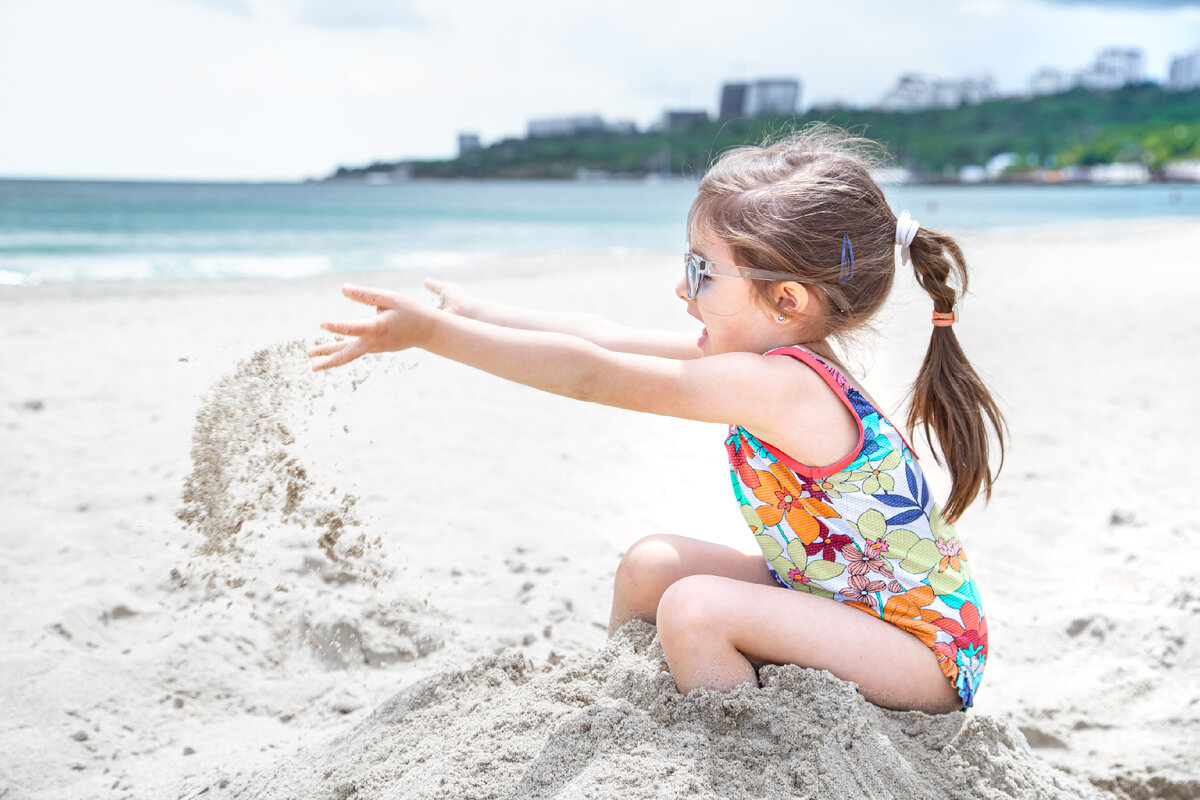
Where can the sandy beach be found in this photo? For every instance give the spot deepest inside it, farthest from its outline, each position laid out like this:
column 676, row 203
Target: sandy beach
column 225, row 576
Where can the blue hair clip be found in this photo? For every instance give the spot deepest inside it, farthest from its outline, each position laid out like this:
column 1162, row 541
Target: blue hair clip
column 847, row 260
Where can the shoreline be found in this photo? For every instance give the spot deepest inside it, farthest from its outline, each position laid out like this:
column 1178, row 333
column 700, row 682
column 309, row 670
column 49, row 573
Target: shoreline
column 519, row 263
column 588, row 177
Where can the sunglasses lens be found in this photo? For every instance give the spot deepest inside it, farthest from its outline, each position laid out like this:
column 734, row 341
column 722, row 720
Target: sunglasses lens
column 693, row 276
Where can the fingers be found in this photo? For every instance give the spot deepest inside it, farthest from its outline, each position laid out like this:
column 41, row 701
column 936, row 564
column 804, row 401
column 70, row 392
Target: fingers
column 344, row 352
column 325, row 349
column 438, row 289
column 347, row 353
column 348, row 328
column 371, row 297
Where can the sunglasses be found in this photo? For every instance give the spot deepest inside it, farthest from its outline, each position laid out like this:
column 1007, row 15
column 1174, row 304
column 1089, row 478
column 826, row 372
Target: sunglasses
column 697, row 269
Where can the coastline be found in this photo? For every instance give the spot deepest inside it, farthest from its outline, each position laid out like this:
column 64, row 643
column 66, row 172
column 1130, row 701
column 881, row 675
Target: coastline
column 118, row 669
column 168, row 233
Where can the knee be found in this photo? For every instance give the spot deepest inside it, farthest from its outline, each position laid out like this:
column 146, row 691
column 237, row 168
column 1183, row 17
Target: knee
column 689, row 612
column 649, row 566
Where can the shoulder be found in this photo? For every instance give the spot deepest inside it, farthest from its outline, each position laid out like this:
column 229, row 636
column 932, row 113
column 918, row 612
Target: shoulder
column 769, row 395
column 820, row 367
column 832, row 372
column 810, row 416
column 791, row 374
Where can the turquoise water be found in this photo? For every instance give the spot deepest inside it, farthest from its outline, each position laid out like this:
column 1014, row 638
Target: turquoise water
column 99, row 231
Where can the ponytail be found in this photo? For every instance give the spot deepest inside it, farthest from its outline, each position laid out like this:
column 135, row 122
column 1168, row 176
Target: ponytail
column 948, row 395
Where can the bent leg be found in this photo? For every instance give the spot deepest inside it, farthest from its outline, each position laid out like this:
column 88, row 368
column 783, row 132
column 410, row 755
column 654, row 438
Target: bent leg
column 654, row 563
column 713, row 629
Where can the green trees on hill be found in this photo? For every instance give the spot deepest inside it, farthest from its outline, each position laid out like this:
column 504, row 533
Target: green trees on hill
column 1137, row 123
column 1142, row 123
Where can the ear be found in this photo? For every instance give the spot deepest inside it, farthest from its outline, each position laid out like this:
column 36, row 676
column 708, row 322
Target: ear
column 791, row 298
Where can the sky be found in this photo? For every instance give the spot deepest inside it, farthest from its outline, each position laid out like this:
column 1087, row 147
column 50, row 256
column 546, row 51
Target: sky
column 291, row 89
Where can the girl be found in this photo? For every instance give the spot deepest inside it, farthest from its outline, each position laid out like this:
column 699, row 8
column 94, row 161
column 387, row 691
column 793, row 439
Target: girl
column 791, row 245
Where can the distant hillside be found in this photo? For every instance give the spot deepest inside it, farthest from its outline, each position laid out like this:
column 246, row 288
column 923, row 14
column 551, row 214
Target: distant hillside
column 1141, row 123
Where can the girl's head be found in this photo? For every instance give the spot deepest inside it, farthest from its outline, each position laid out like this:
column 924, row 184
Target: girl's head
column 798, row 206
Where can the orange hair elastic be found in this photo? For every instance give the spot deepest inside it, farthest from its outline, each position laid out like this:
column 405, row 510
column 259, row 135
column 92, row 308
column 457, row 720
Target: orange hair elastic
column 944, row 319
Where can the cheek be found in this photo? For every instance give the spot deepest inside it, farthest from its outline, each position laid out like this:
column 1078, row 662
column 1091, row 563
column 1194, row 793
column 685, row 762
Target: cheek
column 722, row 298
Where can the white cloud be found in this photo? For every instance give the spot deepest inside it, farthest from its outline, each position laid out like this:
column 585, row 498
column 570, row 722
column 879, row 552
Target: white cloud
column 363, row 13
column 237, row 7
column 266, row 89
column 1136, row 5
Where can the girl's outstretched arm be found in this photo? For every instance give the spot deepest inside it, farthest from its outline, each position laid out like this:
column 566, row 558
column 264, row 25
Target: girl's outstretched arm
column 707, row 389
column 592, row 327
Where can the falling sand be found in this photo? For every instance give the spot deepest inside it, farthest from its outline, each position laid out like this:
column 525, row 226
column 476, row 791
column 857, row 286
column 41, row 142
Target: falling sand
column 279, row 540
column 247, row 477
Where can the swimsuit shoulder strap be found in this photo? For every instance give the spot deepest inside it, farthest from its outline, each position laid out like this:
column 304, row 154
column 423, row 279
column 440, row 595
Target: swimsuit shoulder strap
column 859, row 405
column 836, row 380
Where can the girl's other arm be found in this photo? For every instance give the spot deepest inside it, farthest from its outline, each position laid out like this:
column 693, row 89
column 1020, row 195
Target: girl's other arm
column 592, row 327
column 709, row 389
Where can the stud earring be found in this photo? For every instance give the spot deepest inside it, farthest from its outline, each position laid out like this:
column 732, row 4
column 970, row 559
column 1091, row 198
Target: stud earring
column 780, row 318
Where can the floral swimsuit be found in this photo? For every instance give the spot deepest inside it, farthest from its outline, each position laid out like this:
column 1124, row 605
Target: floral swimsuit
column 865, row 531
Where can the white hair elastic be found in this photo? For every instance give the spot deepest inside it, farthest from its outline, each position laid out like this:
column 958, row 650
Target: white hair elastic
column 906, row 231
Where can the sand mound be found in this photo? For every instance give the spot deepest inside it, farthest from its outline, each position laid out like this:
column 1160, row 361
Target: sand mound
column 612, row 725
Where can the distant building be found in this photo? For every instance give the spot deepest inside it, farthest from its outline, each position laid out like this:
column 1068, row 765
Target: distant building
column 972, row 173
column 979, row 89
column 401, row 171
column 1048, row 81
column 914, row 92
column 733, row 100
column 468, row 143
column 1182, row 171
column 997, row 164
column 1119, row 173
column 564, row 126
column 1185, row 72
column 764, row 97
column 1114, row 67
column 677, row 119
column 773, row 97
column 622, row 126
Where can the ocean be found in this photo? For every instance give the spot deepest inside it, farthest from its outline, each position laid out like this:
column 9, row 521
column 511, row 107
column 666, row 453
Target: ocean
column 143, row 231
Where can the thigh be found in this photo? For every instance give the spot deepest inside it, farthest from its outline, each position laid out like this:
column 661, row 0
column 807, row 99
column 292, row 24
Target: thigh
column 774, row 625
column 675, row 557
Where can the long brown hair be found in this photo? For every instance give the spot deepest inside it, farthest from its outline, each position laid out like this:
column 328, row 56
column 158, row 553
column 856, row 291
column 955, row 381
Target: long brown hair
column 788, row 205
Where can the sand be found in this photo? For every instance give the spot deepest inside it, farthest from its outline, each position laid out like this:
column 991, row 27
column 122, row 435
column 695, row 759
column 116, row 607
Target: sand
column 611, row 724
column 224, row 576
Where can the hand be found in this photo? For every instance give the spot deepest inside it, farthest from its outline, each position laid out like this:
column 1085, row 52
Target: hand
column 400, row 323
column 453, row 297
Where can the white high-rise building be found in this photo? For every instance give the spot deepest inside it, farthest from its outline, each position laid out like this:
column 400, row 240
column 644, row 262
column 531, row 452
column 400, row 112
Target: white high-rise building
column 914, row 92
column 565, row 126
column 773, row 97
column 468, row 143
column 1185, row 72
column 761, row 98
column 1048, row 81
column 1114, row 67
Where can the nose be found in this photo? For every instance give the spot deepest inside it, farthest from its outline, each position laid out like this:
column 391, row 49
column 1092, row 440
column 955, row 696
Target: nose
column 681, row 288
